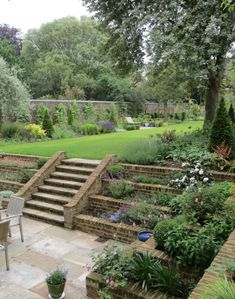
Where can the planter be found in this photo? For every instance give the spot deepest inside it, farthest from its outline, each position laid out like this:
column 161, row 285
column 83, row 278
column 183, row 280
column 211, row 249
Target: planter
column 144, row 235
column 56, row 291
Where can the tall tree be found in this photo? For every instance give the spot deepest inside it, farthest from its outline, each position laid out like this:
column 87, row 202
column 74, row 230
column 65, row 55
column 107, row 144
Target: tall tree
column 199, row 34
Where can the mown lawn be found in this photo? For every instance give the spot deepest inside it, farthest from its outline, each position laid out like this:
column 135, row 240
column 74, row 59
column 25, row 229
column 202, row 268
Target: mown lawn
column 94, row 147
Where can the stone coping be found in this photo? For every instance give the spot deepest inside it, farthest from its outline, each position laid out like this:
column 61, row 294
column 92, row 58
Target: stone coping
column 28, row 157
column 226, row 254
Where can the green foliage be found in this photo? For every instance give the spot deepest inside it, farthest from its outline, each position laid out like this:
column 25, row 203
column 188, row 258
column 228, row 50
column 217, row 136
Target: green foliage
column 62, row 133
column 89, row 129
column 147, row 216
column 150, row 180
column 7, row 193
column 89, row 112
column 120, row 188
column 40, row 113
column 61, row 115
column 229, row 206
column 47, row 124
column 221, row 131
column 116, row 171
column 36, row 131
column 74, row 115
column 221, row 288
column 231, row 114
column 162, row 229
column 11, row 130
column 41, row 162
column 146, row 152
column 56, row 277
column 112, row 114
column 26, row 176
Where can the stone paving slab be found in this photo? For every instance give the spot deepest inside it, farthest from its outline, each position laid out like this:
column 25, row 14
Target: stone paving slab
column 45, row 248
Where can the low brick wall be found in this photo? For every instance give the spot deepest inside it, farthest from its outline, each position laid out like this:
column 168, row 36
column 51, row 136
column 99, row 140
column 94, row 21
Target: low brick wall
column 25, row 157
column 93, row 185
column 145, row 188
column 163, row 171
column 100, row 202
column 10, row 185
column 128, row 292
column 38, row 178
column 17, row 169
column 226, row 253
column 106, row 229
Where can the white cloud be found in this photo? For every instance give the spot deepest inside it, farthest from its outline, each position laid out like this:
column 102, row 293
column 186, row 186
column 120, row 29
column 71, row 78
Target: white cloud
column 28, row 14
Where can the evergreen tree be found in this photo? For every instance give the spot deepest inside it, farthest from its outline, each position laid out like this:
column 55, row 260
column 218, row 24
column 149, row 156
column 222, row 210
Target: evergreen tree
column 47, row 124
column 231, row 113
column 221, row 131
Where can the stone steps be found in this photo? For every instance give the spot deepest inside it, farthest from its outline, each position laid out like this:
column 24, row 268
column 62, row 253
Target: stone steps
column 63, row 200
column 69, row 176
column 74, row 169
column 44, row 216
column 57, row 190
column 63, row 183
column 45, row 206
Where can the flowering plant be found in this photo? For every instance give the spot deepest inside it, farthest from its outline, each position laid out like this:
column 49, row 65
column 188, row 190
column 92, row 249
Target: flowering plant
column 193, row 176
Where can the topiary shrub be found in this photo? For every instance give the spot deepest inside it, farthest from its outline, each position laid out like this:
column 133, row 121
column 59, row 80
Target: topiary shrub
column 231, row 114
column 47, row 124
column 89, row 129
column 221, row 131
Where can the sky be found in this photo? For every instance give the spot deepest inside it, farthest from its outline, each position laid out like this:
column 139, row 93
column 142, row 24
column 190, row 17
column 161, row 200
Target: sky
column 29, row 14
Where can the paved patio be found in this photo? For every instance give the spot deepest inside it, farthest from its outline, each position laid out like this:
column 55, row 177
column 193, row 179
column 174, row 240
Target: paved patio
column 45, row 248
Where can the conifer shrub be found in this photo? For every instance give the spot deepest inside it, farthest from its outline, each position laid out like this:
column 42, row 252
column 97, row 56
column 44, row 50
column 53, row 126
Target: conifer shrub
column 47, row 124
column 231, row 113
column 221, row 131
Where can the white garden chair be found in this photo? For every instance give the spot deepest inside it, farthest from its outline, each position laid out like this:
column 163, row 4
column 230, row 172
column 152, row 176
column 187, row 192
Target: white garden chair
column 1, row 199
column 4, row 229
column 13, row 212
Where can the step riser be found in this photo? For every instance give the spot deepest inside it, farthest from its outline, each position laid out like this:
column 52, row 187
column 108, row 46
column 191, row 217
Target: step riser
column 75, row 171
column 64, row 185
column 49, row 200
column 46, row 209
column 56, row 192
column 79, row 164
column 60, row 177
column 54, row 222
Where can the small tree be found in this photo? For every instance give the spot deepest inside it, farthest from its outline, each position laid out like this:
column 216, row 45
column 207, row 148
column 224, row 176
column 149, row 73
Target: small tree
column 221, row 131
column 113, row 117
column 231, row 113
column 89, row 112
column 47, row 124
column 40, row 114
column 61, row 116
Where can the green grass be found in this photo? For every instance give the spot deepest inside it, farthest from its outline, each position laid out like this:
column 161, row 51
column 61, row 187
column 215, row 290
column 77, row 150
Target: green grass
column 94, row 147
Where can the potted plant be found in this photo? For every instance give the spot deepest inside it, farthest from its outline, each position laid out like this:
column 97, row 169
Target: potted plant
column 56, row 283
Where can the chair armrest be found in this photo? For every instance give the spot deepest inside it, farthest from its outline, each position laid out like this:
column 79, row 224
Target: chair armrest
column 4, row 210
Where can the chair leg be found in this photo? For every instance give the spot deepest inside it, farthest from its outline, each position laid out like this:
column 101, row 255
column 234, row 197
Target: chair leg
column 7, row 257
column 9, row 231
column 21, row 229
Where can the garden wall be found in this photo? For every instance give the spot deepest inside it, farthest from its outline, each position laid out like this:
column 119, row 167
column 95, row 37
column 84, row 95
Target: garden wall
column 10, row 185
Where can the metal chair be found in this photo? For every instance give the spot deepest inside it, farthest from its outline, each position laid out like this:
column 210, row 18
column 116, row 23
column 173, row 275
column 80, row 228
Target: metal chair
column 4, row 229
column 14, row 211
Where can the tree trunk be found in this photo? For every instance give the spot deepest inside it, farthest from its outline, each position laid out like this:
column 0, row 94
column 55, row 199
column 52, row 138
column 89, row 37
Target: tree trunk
column 212, row 100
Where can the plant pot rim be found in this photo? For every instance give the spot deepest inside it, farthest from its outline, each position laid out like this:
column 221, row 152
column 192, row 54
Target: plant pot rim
column 56, row 284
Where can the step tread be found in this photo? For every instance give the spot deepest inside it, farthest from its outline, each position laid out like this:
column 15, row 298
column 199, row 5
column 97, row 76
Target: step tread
column 63, row 182
column 75, row 168
column 74, row 161
column 55, row 188
column 69, row 175
column 41, row 204
column 62, row 199
column 43, row 215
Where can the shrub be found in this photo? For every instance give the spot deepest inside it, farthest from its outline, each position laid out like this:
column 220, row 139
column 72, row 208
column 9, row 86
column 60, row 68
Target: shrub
column 62, row 133
column 10, row 130
column 7, row 193
column 106, row 127
column 26, row 176
column 229, row 206
column 47, row 124
column 41, row 162
column 167, row 136
column 162, row 229
column 221, row 131
column 183, row 116
column 144, row 215
column 56, row 277
column 120, row 189
column 61, row 115
column 231, row 113
column 146, row 153
column 116, row 171
column 35, row 130
column 207, row 201
column 89, row 129
column 150, row 180
column 40, row 115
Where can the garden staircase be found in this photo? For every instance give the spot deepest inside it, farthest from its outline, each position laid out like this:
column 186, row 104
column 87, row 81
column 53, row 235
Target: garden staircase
column 47, row 203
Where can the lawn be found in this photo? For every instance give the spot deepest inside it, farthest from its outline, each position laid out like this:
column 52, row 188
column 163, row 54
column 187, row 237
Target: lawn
column 94, row 147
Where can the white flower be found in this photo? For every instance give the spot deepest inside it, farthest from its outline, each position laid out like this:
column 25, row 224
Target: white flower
column 205, row 180
column 201, row 171
column 192, row 180
column 184, row 178
column 196, row 170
